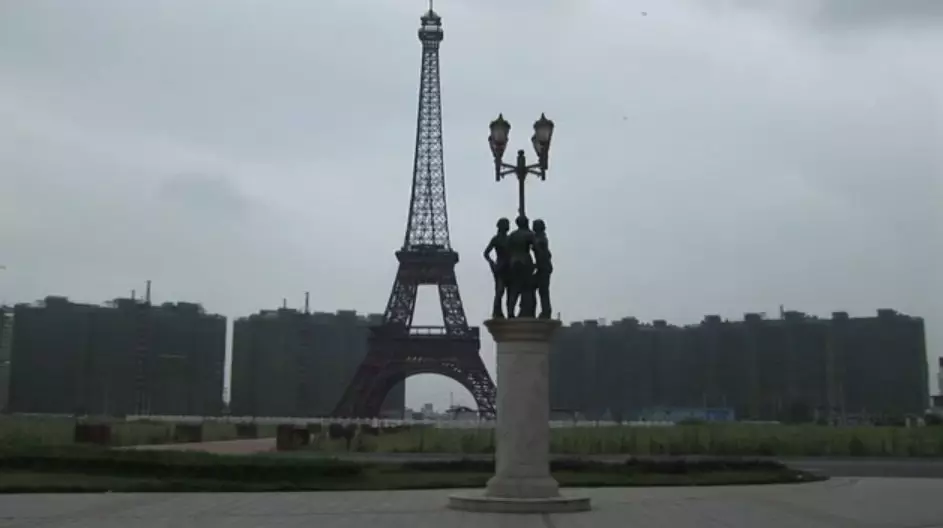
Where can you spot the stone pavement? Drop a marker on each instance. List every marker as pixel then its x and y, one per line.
pixel 843 503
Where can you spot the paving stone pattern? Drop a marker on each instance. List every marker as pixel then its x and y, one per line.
pixel 841 503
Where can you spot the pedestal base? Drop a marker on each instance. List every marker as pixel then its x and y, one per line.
pixel 522 432
pixel 522 487
pixel 522 482
pixel 476 501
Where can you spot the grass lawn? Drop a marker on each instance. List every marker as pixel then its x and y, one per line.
pixel 693 439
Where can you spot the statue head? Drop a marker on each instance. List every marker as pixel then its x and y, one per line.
pixel 539 226
pixel 504 225
pixel 522 222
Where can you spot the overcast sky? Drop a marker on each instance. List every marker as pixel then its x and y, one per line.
pixel 710 157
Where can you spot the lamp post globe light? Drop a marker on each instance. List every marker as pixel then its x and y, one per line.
pixel 498 141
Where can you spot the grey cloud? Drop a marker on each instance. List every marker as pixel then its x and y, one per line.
pixel 203 194
pixel 702 163
pixel 843 15
pixel 876 13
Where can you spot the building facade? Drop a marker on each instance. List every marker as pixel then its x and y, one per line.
pixel 796 368
pixel 185 365
pixel 287 362
pixel 125 357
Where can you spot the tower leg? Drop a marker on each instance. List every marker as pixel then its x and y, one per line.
pixel 522 482
pixel 393 356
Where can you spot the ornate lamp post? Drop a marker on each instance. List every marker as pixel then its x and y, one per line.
pixel 498 141
pixel 522 482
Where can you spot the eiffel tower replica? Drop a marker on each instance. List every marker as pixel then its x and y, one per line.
pixel 397 349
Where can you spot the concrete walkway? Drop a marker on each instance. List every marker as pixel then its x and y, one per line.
pixel 843 503
pixel 222 447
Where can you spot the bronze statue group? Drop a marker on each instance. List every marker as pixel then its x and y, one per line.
pixel 521 268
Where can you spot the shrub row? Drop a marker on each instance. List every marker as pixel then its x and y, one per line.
pixel 173 464
pixel 32 430
pixel 714 440
pixel 695 439
pixel 672 466
pixel 192 465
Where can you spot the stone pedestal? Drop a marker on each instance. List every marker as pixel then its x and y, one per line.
pixel 522 482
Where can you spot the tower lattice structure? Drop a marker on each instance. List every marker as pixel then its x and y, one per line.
pixel 397 349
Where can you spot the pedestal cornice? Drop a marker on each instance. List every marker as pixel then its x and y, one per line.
pixel 522 329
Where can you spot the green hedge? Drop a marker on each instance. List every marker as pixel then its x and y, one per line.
pixel 716 440
pixel 663 466
pixel 177 465
pixel 33 430
pixel 173 464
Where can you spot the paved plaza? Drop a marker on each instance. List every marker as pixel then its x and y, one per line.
pixel 840 502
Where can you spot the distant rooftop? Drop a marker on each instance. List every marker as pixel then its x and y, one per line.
pixel 713 319
pixel 348 315
pixel 120 303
